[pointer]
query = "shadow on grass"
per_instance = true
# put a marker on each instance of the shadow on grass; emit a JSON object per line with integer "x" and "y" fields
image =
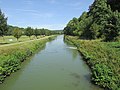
{"x": 3, "y": 43}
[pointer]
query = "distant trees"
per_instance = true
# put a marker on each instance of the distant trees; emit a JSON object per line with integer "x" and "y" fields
{"x": 11, "y": 28}
{"x": 57, "y": 32}
{"x": 99, "y": 22}
{"x": 3, "y": 24}
{"x": 17, "y": 33}
{"x": 29, "y": 32}
{"x": 37, "y": 32}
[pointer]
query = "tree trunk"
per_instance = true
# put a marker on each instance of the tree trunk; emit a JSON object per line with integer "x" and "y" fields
{"x": 36, "y": 37}
{"x": 17, "y": 39}
{"x": 3, "y": 38}
{"x": 29, "y": 38}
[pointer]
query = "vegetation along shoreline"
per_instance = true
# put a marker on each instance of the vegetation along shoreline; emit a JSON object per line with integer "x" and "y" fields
{"x": 102, "y": 58}
{"x": 96, "y": 33}
{"x": 11, "y": 57}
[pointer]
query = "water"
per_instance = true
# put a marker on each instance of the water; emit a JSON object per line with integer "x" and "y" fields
{"x": 57, "y": 67}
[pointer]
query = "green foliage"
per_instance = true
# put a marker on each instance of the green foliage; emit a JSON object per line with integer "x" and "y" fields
{"x": 43, "y": 31}
{"x": 94, "y": 28}
{"x": 57, "y": 32}
{"x": 11, "y": 28}
{"x": 3, "y": 24}
{"x": 112, "y": 27}
{"x": 29, "y": 31}
{"x": 87, "y": 33}
{"x": 17, "y": 33}
{"x": 82, "y": 23}
{"x": 115, "y": 4}
{"x": 99, "y": 22}
{"x": 11, "y": 57}
{"x": 71, "y": 27}
{"x": 47, "y": 32}
{"x": 37, "y": 32}
{"x": 103, "y": 59}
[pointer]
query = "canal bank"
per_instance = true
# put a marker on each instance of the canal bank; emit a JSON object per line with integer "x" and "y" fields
{"x": 57, "y": 67}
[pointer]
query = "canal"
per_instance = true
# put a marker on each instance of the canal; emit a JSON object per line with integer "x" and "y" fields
{"x": 58, "y": 66}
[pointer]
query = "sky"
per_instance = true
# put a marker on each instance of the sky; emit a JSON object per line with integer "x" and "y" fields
{"x": 50, "y": 14}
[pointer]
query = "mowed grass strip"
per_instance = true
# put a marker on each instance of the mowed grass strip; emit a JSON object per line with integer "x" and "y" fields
{"x": 12, "y": 39}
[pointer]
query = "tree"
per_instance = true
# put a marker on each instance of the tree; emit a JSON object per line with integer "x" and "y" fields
{"x": 100, "y": 11}
{"x": 10, "y": 30}
{"x": 71, "y": 27}
{"x": 97, "y": 22}
{"x": 112, "y": 27}
{"x": 36, "y": 32}
{"x": 115, "y": 4}
{"x": 29, "y": 32}
{"x": 94, "y": 28}
{"x": 17, "y": 33}
{"x": 83, "y": 16}
{"x": 87, "y": 32}
{"x": 3, "y": 24}
{"x": 42, "y": 31}
{"x": 48, "y": 32}
{"x": 84, "y": 22}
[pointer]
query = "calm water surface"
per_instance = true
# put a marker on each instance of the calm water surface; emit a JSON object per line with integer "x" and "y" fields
{"x": 57, "y": 67}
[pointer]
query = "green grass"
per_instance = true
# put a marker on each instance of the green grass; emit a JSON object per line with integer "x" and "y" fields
{"x": 103, "y": 59}
{"x": 6, "y": 39}
{"x": 13, "y": 55}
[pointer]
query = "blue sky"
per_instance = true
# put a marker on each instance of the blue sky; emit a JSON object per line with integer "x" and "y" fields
{"x": 51, "y": 14}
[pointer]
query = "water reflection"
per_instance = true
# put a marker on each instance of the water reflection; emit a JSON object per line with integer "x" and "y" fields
{"x": 72, "y": 49}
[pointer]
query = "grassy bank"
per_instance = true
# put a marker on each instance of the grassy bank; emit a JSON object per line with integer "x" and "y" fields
{"x": 12, "y": 39}
{"x": 12, "y": 56}
{"x": 104, "y": 60}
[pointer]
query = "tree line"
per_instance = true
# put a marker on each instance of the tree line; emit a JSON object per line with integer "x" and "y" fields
{"x": 17, "y": 32}
{"x": 29, "y": 31}
{"x": 101, "y": 21}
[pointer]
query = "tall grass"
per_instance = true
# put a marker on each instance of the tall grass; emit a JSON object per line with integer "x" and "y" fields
{"x": 103, "y": 59}
{"x": 12, "y": 56}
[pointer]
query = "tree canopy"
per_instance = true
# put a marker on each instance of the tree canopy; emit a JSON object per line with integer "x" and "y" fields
{"x": 101, "y": 21}
{"x": 3, "y": 24}
{"x": 17, "y": 33}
